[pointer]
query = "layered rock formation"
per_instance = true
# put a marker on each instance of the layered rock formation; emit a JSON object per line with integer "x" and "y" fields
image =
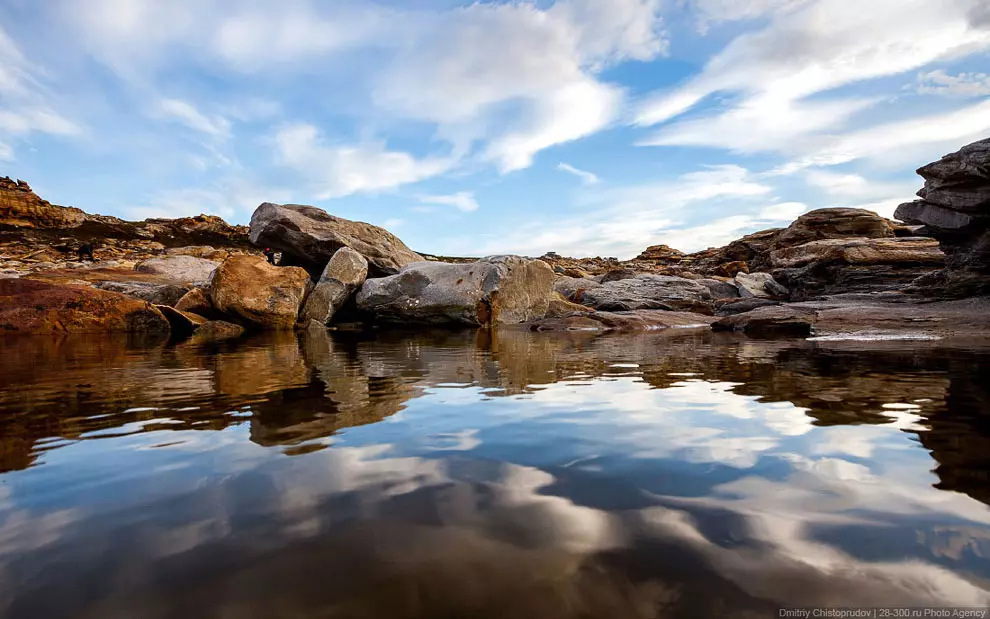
{"x": 20, "y": 207}
{"x": 648, "y": 292}
{"x": 309, "y": 237}
{"x": 955, "y": 209}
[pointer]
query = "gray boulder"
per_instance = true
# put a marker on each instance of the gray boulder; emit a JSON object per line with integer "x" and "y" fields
{"x": 309, "y": 237}
{"x": 663, "y": 292}
{"x": 779, "y": 320}
{"x": 180, "y": 268}
{"x": 495, "y": 290}
{"x": 568, "y": 287}
{"x": 761, "y": 285}
{"x": 342, "y": 277}
{"x": 156, "y": 294}
{"x": 719, "y": 288}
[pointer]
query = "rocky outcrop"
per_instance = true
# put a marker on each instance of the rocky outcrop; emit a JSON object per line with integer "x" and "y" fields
{"x": 259, "y": 294}
{"x": 648, "y": 292}
{"x": 309, "y": 237}
{"x": 767, "y": 321}
{"x": 571, "y": 287}
{"x": 750, "y": 253}
{"x": 35, "y": 307}
{"x": 199, "y": 251}
{"x": 661, "y": 254}
{"x": 20, "y": 207}
{"x": 955, "y": 209}
{"x": 560, "y": 306}
{"x": 341, "y": 279}
{"x": 636, "y": 320}
{"x": 834, "y": 223}
{"x": 180, "y": 268}
{"x": 492, "y": 291}
{"x": 758, "y": 285}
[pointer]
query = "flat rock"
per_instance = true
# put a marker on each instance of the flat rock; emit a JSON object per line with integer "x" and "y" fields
{"x": 648, "y": 292}
{"x": 180, "y": 268}
{"x": 895, "y": 250}
{"x": 560, "y": 306}
{"x": 768, "y": 321}
{"x": 260, "y": 294}
{"x": 571, "y": 286}
{"x": 311, "y": 236}
{"x": 635, "y": 320}
{"x": 36, "y": 307}
{"x": 730, "y": 307}
{"x": 216, "y": 331}
{"x": 199, "y": 251}
{"x": 495, "y": 290}
{"x": 156, "y": 294}
{"x": 341, "y": 279}
{"x": 959, "y": 181}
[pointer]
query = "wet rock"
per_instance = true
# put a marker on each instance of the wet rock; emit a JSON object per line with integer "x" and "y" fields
{"x": 179, "y": 268}
{"x": 758, "y": 285}
{"x": 310, "y": 236}
{"x": 730, "y": 307}
{"x": 253, "y": 291}
{"x": 955, "y": 209}
{"x": 35, "y": 307}
{"x": 341, "y": 279}
{"x": 635, "y": 320}
{"x": 720, "y": 289}
{"x": 156, "y": 294}
{"x": 768, "y": 321}
{"x": 182, "y": 324}
{"x": 570, "y": 287}
{"x": 495, "y": 290}
{"x": 649, "y": 292}
{"x": 215, "y": 331}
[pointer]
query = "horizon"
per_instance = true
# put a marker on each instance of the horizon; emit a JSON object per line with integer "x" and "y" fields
{"x": 582, "y": 127}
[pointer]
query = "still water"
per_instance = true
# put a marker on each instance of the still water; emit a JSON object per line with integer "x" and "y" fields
{"x": 671, "y": 474}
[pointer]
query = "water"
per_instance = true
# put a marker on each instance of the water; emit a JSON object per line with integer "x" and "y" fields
{"x": 672, "y": 474}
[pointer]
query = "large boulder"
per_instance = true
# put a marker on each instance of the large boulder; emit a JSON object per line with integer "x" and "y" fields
{"x": 494, "y": 290}
{"x": 649, "y": 292}
{"x": 251, "y": 290}
{"x": 342, "y": 277}
{"x": 770, "y": 321}
{"x": 179, "y": 268}
{"x": 309, "y": 237}
{"x": 758, "y": 285}
{"x": 955, "y": 209}
{"x": 835, "y": 223}
{"x": 36, "y": 307}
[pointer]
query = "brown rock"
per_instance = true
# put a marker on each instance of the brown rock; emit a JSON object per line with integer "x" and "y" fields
{"x": 767, "y": 321}
{"x": 835, "y": 223}
{"x": 215, "y": 331}
{"x": 341, "y": 279}
{"x": 661, "y": 254}
{"x": 35, "y": 307}
{"x": 182, "y": 323}
{"x": 560, "y": 306}
{"x": 20, "y": 207}
{"x": 861, "y": 251}
{"x": 197, "y": 302}
{"x": 635, "y": 320}
{"x": 258, "y": 293}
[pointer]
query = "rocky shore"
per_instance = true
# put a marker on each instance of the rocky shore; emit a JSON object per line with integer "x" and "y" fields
{"x": 835, "y": 272}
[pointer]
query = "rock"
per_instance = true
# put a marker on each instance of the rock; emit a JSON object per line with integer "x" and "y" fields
{"x": 719, "y": 289}
{"x": 731, "y": 269}
{"x": 195, "y": 301}
{"x": 215, "y": 331}
{"x": 199, "y": 251}
{"x": 765, "y": 321}
{"x": 342, "y": 277}
{"x": 955, "y": 209}
{"x": 20, "y": 207}
{"x": 648, "y": 292}
{"x": 560, "y": 306}
{"x": 574, "y": 272}
{"x": 753, "y": 250}
{"x": 156, "y": 294}
{"x": 495, "y": 290}
{"x": 310, "y": 236}
{"x": 758, "y": 285}
{"x": 835, "y": 223}
{"x": 182, "y": 324}
{"x": 636, "y": 320}
{"x": 180, "y": 268}
{"x": 260, "y": 294}
{"x": 569, "y": 287}
{"x": 36, "y": 307}
{"x": 618, "y": 274}
{"x": 661, "y": 254}
{"x": 730, "y": 307}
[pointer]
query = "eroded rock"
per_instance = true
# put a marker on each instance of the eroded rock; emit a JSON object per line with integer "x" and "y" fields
{"x": 341, "y": 279}
{"x": 648, "y": 292}
{"x": 253, "y": 291}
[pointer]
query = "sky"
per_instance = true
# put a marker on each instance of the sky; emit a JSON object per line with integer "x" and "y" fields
{"x": 585, "y": 127}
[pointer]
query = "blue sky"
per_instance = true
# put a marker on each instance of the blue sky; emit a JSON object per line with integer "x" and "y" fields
{"x": 587, "y": 127}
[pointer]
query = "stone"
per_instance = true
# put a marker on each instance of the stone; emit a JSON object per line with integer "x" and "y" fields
{"x": 492, "y": 291}
{"x": 569, "y": 287}
{"x": 251, "y": 290}
{"x": 731, "y": 269}
{"x": 730, "y": 307}
{"x": 560, "y": 306}
{"x": 780, "y": 320}
{"x": 309, "y": 237}
{"x": 36, "y": 307}
{"x": 835, "y": 223}
{"x": 615, "y": 275}
{"x": 720, "y": 289}
{"x": 182, "y": 324}
{"x": 959, "y": 181}
{"x": 758, "y": 285}
{"x": 752, "y": 249}
{"x": 648, "y": 292}
{"x": 179, "y": 268}
{"x": 20, "y": 207}
{"x": 216, "y": 331}
{"x": 199, "y": 251}
{"x": 195, "y": 301}
{"x": 635, "y": 320}
{"x": 156, "y": 294}
{"x": 341, "y": 279}
{"x": 661, "y": 254}
{"x": 933, "y": 215}
{"x": 892, "y": 250}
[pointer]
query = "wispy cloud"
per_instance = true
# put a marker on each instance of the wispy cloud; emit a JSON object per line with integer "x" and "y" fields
{"x": 961, "y": 85}
{"x": 186, "y": 114}
{"x": 462, "y": 200}
{"x": 588, "y": 178}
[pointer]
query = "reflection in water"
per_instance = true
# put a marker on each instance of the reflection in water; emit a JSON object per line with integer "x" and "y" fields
{"x": 457, "y": 474}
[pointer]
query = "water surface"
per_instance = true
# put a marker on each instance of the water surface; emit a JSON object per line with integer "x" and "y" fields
{"x": 460, "y": 474}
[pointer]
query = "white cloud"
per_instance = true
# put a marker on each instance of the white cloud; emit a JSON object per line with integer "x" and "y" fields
{"x": 962, "y": 85}
{"x": 715, "y": 11}
{"x": 462, "y": 200}
{"x": 392, "y": 223}
{"x": 785, "y": 211}
{"x": 588, "y": 178}
{"x": 186, "y": 114}
{"x": 6, "y": 152}
{"x": 337, "y": 171}
{"x": 228, "y": 198}
{"x": 815, "y": 47}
